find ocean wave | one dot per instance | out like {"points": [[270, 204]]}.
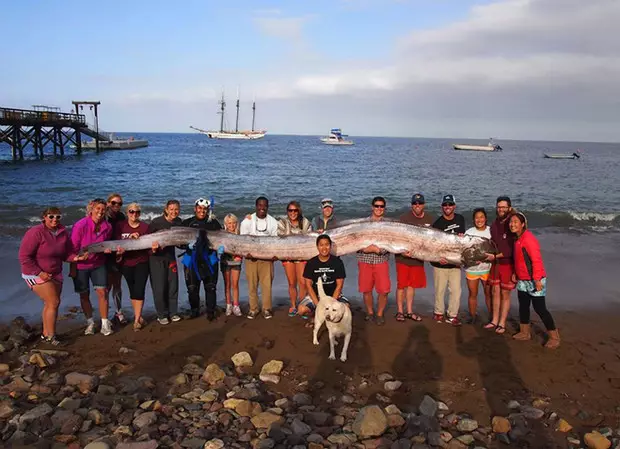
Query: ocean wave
{"points": [[594, 216]]}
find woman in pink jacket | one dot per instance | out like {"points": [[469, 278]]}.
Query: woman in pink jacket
{"points": [[43, 250], [531, 281], [92, 229]]}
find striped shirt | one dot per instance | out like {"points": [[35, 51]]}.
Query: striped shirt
{"points": [[373, 258]]}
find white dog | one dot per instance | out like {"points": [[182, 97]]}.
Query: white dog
{"points": [[338, 319]]}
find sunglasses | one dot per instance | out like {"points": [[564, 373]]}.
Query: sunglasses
{"points": [[417, 203], [116, 203], [57, 217], [137, 212], [292, 210], [447, 205], [379, 206]]}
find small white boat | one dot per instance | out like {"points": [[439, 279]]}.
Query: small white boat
{"points": [[575, 155], [336, 138], [491, 146], [115, 144]]}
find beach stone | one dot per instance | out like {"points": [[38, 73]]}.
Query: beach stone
{"points": [[384, 377], [4, 368], [85, 382], [345, 439], [467, 425], [193, 443], [370, 422], [242, 360], [191, 369], [6, 409], [514, 405], [98, 445], [145, 419], [38, 412], [594, 440], [500, 424], [213, 374], [72, 425], [302, 399], [532, 412], [300, 428], [403, 443], [392, 385], [428, 406], [265, 419], [272, 367], [70, 404], [267, 443], [150, 444], [563, 426], [466, 439], [395, 421], [215, 443], [455, 444], [270, 378]]}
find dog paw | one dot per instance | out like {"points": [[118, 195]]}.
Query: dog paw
{"points": [[332, 357], [343, 358], [315, 342]]}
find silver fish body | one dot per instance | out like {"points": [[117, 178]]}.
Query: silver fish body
{"points": [[175, 236]]}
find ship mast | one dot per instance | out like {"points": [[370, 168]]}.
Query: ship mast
{"points": [[253, 112], [237, 121], [222, 107]]}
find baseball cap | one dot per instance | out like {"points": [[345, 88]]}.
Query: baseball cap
{"points": [[417, 198], [327, 202], [448, 199]]}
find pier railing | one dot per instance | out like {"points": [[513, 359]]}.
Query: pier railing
{"points": [[10, 116]]}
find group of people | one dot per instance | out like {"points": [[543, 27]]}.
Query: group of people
{"points": [[517, 264]]}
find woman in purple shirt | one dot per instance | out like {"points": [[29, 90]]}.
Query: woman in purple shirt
{"points": [[92, 229], [43, 250]]}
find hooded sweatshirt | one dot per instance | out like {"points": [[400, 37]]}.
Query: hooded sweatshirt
{"points": [[42, 250], [528, 242], [83, 234]]}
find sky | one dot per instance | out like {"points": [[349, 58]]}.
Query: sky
{"points": [[511, 69]]}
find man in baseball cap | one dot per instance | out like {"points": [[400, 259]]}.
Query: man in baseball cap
{"points": [[327, 219]]}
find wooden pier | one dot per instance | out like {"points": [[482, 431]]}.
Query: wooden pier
{"points": [[44, 127]]}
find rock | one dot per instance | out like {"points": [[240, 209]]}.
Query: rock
{"points": [[95, 416], [215, 443], [70, 404], [428, 406], [514, 405], [300, 428], [192, 369], [467, 425], [500, 424], [532, 412], [6, 409], [318, 419], [85, 382], [563, 426], [392, 385], [370, 422], [347, 399], [503, 438], [384, 377], [150, 444], [125, 350], [180, 379], [455, 444], [270, 378], [403, 443], [594, 440], [272, 367], [302, 399], [38, 412], [267, 443], [435, 439], [466, 439], [4, 368], [345, 439], [193, 443], [98, 445], [145, 419], [242, 360], [213, 374], [265, 419], [72, 425], [540, 403], [395, 421]]}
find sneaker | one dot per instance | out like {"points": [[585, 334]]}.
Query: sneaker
{"points": [[237, 311], [175, 318], [90, 329], [163, 320], [194, 313], [53, 341], [454, 321], [211, 316], [120, 317], [267, 314], [253, 314], [438, 317], [106, 328], [292, 311], [229, 309]]}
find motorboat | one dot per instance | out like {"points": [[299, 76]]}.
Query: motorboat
{"points": [[336, 138], [491, 146]]}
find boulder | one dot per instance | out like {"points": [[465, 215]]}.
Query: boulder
{"points": [[370, 422]]}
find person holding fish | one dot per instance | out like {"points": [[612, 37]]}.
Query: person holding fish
{"points": [[327, 219]]}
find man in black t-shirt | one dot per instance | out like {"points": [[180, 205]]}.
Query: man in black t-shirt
{"points": [[327, 267], [446, 275]]}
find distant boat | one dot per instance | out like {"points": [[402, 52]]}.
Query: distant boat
{"points": [[491, 146], [336, 138], [236, 134], [575, 155], [115, 144]]}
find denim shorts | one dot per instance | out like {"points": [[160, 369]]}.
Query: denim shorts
{"points": [[98, 276]]}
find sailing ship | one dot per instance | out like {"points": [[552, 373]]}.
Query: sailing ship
{"points": [[491, 146], [236, 134], [336, 138]]}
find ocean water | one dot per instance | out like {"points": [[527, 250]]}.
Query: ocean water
{"points": [[572, 205]]}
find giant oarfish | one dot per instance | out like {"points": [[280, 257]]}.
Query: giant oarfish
{"points": [[420, 242]]}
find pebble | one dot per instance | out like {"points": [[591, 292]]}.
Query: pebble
{"points": [[594, 440], [467, 425], [428, 406], [213, 374], [242, 360], [98, 445], [271, 378], [563, 426], [500, 424], [215, 443], [392, 385], [272, 367], [370, 422], [532, 412]]}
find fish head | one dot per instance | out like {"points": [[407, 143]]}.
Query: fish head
{"points": [[478, 252]]}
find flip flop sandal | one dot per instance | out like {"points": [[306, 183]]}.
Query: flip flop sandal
{"points": [[413, 317], [490, 325], [500, 329], [400, 317], [380, 321], [369, 317]]}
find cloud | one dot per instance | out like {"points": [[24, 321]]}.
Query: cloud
{"points": [[273, 24]]}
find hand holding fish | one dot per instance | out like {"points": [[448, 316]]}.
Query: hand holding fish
{"points": [[81, 257], [134, 235], [443, 261], [154, 247]]}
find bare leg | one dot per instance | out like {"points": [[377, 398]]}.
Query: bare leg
{"points": [[137, 305], [234, 281], [87, 307], [381, 303], [504, 307], [497, 294], [102, 297], [227, 286], [472, 300], [487, 296], [400, 299], [291, 277], [49, 293], [369, 302], [301, 284], [409, 294]]}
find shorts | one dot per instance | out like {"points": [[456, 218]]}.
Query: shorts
{"points": [[373, 275], [98, 276], [501, 274], [136, 277], [32, 280], [285, 262], [224, 268], [307, 302], [477, 276], [410, 276]]}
